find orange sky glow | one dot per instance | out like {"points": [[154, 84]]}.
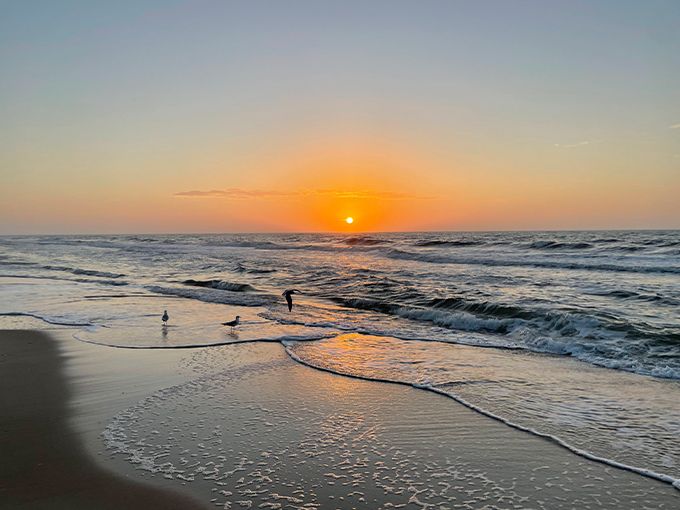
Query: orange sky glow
{"points": [[133, 120]]}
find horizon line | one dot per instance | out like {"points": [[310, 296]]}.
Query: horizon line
{"points": [[354, 233]]}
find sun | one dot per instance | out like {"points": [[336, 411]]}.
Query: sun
{"points": [[349, 220]]}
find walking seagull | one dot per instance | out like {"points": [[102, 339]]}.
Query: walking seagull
{"points": [[165, 317], [289, 299], [233, 323]]}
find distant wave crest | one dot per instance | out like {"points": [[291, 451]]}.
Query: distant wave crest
{"points": [[85, 272], [528, 262], [448, 243], [365, 241]]}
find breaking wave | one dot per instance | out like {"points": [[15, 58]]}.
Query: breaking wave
{"points": [[210, 295], [219, 284]]}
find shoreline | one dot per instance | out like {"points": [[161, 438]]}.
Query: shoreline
{"points": [[247, 424]]}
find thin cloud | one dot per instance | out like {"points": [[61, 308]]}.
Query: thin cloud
{"points": [[571, 144], [366, 193], [245, 194], [677, 126], [240, 193]]}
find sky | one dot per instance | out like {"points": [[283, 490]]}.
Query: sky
{"points": [[290, 116]]}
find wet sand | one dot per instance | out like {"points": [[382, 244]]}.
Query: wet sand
{"points": [[43, 462], [245, 426]]}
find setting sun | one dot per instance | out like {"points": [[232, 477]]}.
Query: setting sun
{"points": [[349, 220]]}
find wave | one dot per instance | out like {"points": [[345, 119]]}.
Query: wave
{"points": [[353, 242], [240, 268], [210, 295], [142, 239], [628, 249], [365, 241], [613, 357], [647, 350], [516, 334], [219, 284], [631, 295], [444, 259], [553, 245], [604, 245], [662, 243], [368, 304], [448, 243], [85, 272], [484, 307], [117, 283], [456, 321], [461, 321], [268, 245], [466, 315], [262, 245], [16, 263]]}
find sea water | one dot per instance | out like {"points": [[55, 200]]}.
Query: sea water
{"points": [[573, 336]]}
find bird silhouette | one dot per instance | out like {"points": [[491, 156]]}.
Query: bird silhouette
{"points": [[233, 323], [165, 317], [289, 297]]}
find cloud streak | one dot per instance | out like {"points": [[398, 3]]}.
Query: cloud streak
{"points": [[367, 193], [240, 193], [249, 194], [676, 126], [571, 144]]}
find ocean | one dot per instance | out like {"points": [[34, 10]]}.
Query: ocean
{"points": [[572, 336]]}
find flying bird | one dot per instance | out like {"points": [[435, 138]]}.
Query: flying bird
{"points": [[233, 323], [165, 317], [289, 299]]}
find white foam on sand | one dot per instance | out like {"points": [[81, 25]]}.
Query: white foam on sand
{"points": [[268, 430], [368, 365]]}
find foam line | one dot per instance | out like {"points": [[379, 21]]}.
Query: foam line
{"points": [[198, 346], [43, 318], [56, 278]]}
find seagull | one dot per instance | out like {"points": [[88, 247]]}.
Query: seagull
{"points": [[233, 323], [165, 317], [289, 298]]}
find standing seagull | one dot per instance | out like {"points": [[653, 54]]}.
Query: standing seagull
{"points": [[233, 323], [289, 299], [165, 318]]}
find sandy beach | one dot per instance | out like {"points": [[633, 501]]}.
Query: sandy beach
{"points": [[340, 255], [246, 426]]}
